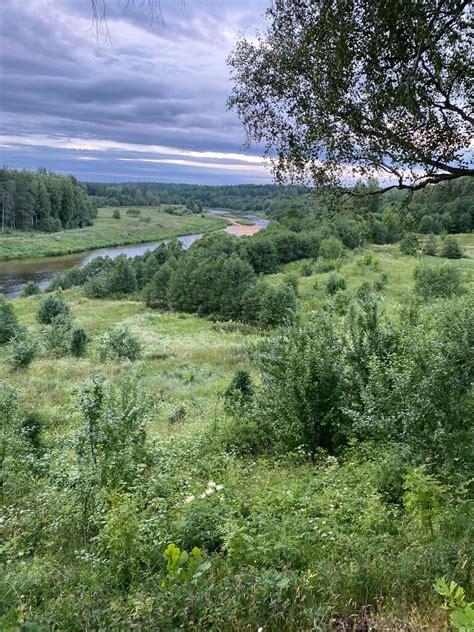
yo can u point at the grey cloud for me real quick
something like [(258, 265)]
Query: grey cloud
[(165, 84)]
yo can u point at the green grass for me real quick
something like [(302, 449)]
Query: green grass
[(304, 536), (399, 270), (106, 231)]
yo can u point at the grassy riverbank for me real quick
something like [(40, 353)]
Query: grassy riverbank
[(150, 225)]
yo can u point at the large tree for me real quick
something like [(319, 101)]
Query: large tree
[(336, 89)]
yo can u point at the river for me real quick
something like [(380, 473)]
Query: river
[(16, 273)]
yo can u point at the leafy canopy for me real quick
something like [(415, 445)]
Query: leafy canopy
[(340, 88)]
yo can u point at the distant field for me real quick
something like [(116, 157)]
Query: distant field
[(107, 231), (399, 270)]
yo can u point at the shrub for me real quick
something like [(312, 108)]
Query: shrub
[(268, 305), (119, 343), (134, 212), (78, 342), (24, 349), (57, 335), (238, 395), (51, 307), (368, 260), (409, 245), (450, 248), (437, 281), (8, 322), (331, 248), (335, 283), (306, 269), (430, 247), (116, 214), (30, 289), (300, 401)]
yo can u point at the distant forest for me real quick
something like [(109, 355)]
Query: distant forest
[(50, 202), (43, 201), (447, 207)]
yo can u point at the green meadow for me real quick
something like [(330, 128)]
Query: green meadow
[(150, 225)]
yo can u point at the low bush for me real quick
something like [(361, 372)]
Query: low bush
[(30, 289), (430, 247), (23, 350), (119, 344), (335, 283), (331, 249), (51, 307), (78, 342), (437, 281), (409, 245), (57, 335), (450, 248), (9, 326)]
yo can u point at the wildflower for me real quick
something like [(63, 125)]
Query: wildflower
[(189, 499)]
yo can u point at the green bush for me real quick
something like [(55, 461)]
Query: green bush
[(238, 395), (9, 326), (268, 305), (450, 248), (51, 307), (78, 342), (116, 214), (57, 335), (331, 249), (335, 283), (30, 289), (119, 344), (24, 349), (440, 281), (430, 247), (409, 245), (306, 269)]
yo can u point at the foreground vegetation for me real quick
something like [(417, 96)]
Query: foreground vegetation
[(317, 476), (145, 224)]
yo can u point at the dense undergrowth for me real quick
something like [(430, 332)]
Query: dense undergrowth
[(322, 466)]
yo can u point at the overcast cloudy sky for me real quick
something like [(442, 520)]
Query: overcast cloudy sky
[(148, 105)]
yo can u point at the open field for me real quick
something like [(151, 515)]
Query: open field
[(107, 231)]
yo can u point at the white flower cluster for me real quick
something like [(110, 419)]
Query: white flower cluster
[(211, 488)]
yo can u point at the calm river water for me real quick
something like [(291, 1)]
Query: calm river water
[(16, 273)]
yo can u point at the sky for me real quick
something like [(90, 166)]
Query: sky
[(148, 103)]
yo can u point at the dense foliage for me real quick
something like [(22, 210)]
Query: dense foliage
[(43, 201), (333, 89), (265, 432)]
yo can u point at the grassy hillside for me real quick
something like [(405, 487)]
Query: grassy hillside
[(288, 544), (149, 226)]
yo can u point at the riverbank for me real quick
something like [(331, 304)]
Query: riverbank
[(150, 225)]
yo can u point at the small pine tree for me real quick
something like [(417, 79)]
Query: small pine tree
[(450, 248), (239, 393), (78, 344), (50, 308)]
